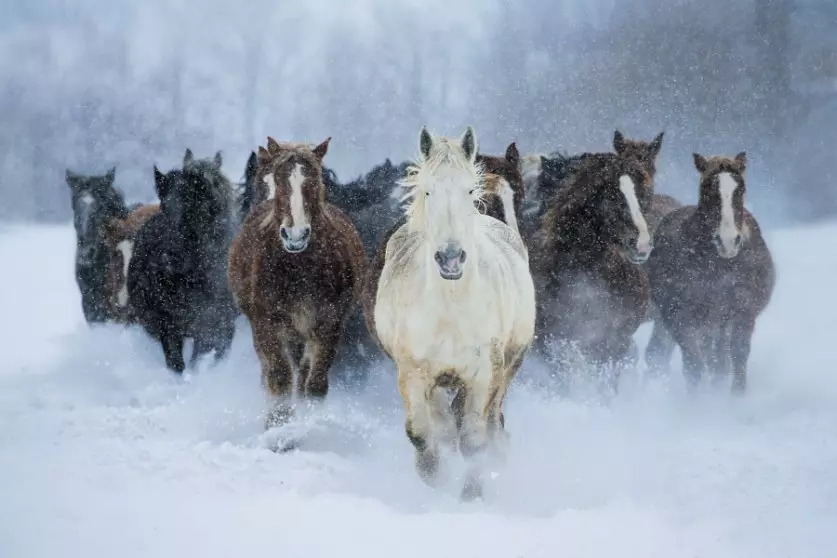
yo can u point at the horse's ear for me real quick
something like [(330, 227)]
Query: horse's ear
[(160, 183), (512, 154), (469, 144), (219, 160), (700, 162), (264, 154), (618, 142), (321, 150), (741, 161), (70, 177), (655, 146), (425, 142), (111, 175), (252, 166), (272, 146), (188, 157)]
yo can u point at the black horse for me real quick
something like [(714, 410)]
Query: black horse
[(177, 279), (95, 202)]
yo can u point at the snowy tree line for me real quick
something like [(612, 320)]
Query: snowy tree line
[(92, 84)]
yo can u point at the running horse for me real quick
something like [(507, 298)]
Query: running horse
[(587, 256), (295, 270), (712, 274), (452, 303)]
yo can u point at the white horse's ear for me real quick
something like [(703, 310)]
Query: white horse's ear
[(469, 144), (425, 142)]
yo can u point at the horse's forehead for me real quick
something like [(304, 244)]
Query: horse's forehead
[(451, 174)]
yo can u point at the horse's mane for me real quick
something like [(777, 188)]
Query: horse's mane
[(592, 174), (445, 151)]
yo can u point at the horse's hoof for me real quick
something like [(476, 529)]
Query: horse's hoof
[(427, 466), (472, 491)]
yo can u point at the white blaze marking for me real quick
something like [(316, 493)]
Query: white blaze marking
[(628, 189), (85, 201), (300, 219), (727, 230), (126, 247), (507, 197), (271, 186)]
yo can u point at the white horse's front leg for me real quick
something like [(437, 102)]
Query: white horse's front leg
[(473, 435), (413, 389)]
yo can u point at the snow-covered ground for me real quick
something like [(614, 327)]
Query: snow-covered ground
[(104, 453)]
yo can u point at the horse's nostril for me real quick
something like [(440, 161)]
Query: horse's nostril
[(738, 240), (305, 234), (463, 256), (283, 232)]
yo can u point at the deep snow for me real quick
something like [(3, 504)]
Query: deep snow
[(104, 453)]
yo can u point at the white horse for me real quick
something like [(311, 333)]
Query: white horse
[(454, 308)]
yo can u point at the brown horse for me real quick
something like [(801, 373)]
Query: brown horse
[(586, 260), (508, 168), (295, 270), (712, 274), (119, 239)]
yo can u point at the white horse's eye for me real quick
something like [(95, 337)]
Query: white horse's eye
[(427, 194), (471, 192)]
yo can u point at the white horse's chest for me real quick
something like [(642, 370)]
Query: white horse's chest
[(452, 329)]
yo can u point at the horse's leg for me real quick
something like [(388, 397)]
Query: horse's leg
[(473, 436), (171, 339), (277, 372), (224, 338), (658, 352), (411, 386), (741, 333), (720, 368), (320, 350), (689, 339)]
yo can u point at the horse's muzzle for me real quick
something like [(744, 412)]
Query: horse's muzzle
[(637, 254), (728, 252), (451, 261), (295, 239)]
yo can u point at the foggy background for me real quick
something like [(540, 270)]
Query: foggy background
[(88, 84)]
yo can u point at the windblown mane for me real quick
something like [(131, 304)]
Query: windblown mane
[(446, 151)]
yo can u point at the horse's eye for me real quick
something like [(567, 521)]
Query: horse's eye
[(471, 192), (426, 194)]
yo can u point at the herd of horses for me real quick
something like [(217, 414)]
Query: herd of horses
[(454, 266)]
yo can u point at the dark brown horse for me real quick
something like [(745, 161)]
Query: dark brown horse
[(119, 239), (712, 274), (295, 270), (586, 260)]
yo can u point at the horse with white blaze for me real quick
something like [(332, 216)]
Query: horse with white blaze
[(453, 304)]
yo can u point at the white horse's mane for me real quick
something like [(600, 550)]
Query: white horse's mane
[(445, 150)]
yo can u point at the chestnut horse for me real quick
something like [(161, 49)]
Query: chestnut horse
[(295, 271), (119, 238), (712, 274), (586, 259), (453, 307)]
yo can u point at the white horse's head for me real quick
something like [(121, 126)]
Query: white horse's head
[(443, 185)]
